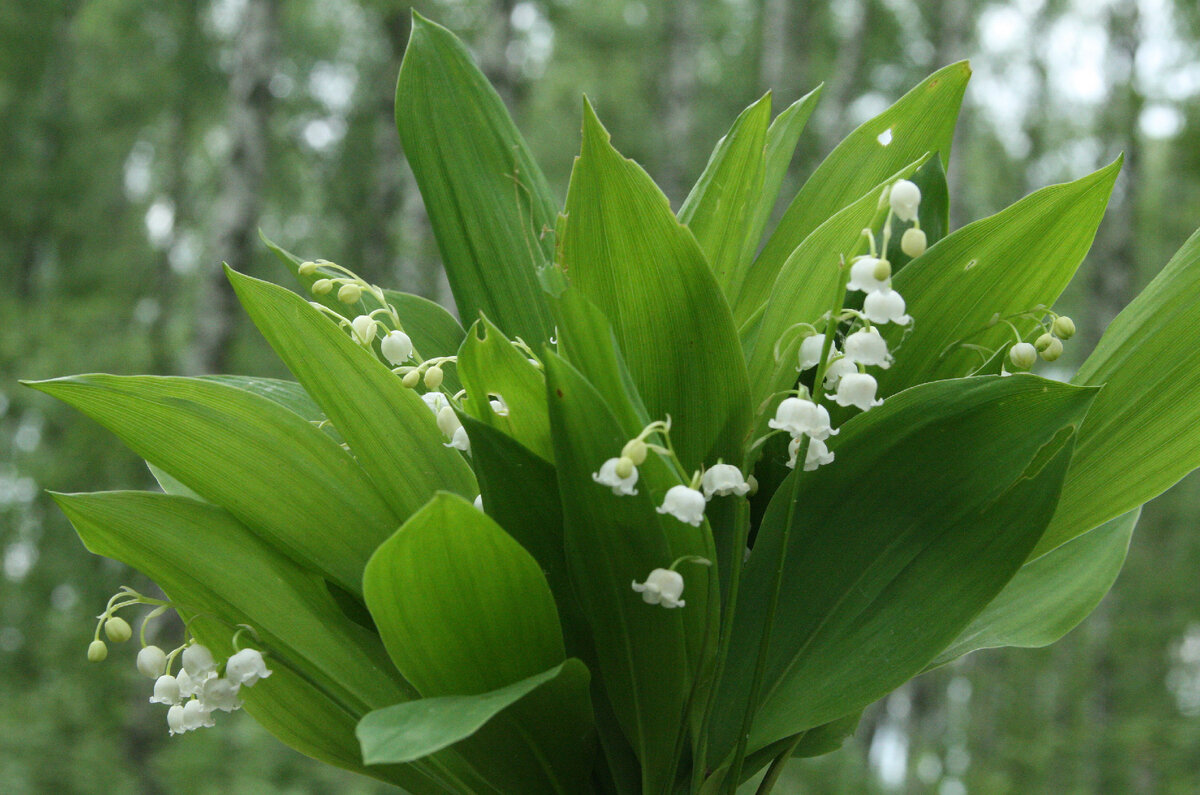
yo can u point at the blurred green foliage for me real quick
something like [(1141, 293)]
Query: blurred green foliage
[(142, 143)]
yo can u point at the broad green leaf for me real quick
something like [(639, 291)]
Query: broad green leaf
[(280, 476), (463, 610), (1143, 434), (806, 288), (1051, 594), (490, 366), (488, 203), (187, 548), (648, 656), (288, 394), (1011, 262), (931, 506), (390, 430), (170, 485), (625, 251), (415, 729), (782, 137), (720, 205), (922, 121)]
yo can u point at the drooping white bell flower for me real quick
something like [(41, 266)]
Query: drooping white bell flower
[(460, 440), (905, 198), (396, 346), (857, 389), (364, 329), (799, 416), (621, 486), (199, 664), (246, 667), (151, 662), (175, 721), (818, 454), (1022, 355), (886, 306), (837, 369), (685, 504), (497, 404), (448, 421), (810, 351), (220, 694), (865, 346), (188, 687), (436, 401), (722, 479), (662, 587), (195, 716), (166, 690), (870, 275)]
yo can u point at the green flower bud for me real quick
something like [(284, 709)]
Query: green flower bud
[(1063, 327), (308, 268), (434, 377), (635, 451), (912, 242), (883, 270), (322, 287), (350, 293), (411, 378), (1022, 355), (117, 629), (624, 467), (1053, 350), (1043, 342), (97, 651), (752, 482)]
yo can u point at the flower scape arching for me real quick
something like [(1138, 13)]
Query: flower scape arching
[(683, 498)]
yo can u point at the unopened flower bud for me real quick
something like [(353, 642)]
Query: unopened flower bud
[(97, 651), (308, 268), (1043, 342), (117, 629), (883, 270), (396, 346), (411, 378), (434, 377), (752, 482), (151, 662), (1053, 350), (322, 286), (349, 293), (1063, 327), (635, 451), (1022, 355), (624, 467), (364, 329), (912, 242)]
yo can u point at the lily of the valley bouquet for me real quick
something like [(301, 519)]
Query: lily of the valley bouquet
[(680, 501)]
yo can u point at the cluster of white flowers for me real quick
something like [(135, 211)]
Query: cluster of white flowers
[(196, 691)]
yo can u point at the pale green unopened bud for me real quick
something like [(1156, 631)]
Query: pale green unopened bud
[(117, 629), (322, 286), (1063, 327), (912, 242), (1043, 342), (883, 270), (97, 651), (411, 378), (1053, 350), (434, 377), (752, 482), (349, 293), (1022, 355), (624, 467), (308, 268), (635, 451)]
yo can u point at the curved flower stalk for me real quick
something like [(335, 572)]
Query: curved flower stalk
[(554, 552)]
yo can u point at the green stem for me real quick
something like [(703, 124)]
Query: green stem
[(777, 765)]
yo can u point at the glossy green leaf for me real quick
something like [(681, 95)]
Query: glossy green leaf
[(625, 251), (187, 547), (1052, 594), (782, 137), (648, 656), (415, 729), (720, 205), (273, 470), (490, 366), (463, 610), (922, 121), (1008, 263), (488, 203), (1143, 434), (389, 428), (931, 506)]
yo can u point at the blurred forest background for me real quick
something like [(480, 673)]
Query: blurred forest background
[(143, 142)]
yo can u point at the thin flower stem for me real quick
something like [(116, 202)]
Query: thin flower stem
[(777, 765)]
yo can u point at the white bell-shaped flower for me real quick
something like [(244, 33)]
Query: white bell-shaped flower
[(166, 690), (886, 306), (818, 454), (662, 587), (905, 198), (364, 329), (195, 716), (836, 370), (199, 664), (722, 479), (1022, 355), (497, 404), (188, 687), (810, 351), (621, 486), (175, 721), (870, 275), (685, 504), (220, 694), (246, 667), (865, 346), (396, 346), (151, 662), (448, 421), (857, 389), (460, 440), (436, 401), (799, 416)]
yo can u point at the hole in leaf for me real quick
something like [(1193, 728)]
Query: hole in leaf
[(971, 264), (885, 137)]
